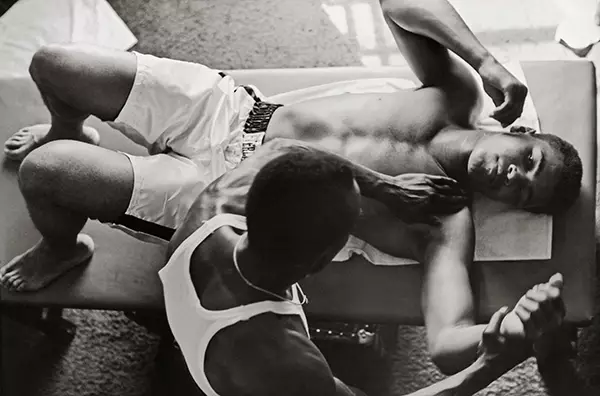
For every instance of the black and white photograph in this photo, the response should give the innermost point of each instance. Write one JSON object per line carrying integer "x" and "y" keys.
{"x": 299, "y": 198}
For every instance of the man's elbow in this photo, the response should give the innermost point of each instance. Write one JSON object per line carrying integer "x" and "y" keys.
{"x": 396, "y": 9}
{"x": 445, "y": 361}
{"x": 445, "y": 355}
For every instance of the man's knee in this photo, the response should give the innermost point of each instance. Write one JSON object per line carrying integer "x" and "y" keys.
{"x": 42, "y": 170}
{"x": 52, "y": 62}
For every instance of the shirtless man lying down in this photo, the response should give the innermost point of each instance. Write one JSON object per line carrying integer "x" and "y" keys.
{"x": 198, "y": 125}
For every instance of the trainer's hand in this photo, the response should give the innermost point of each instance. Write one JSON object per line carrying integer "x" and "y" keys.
{"x": 420, "y": 198}
{"x": 497, "y": 349}
{"x": 507, "y": 93}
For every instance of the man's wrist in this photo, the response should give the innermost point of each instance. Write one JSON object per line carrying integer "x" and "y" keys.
{"x": 388, "y": 191}
{"x": 483, "y": 62}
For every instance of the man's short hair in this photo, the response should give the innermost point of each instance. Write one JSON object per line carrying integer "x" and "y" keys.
{"x": 298, "y": 205}
{"x": 568, "y": 185}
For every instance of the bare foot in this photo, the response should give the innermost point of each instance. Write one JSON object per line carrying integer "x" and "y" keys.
{"x": 39, "y": 266}
{"x": 29, "y": 138}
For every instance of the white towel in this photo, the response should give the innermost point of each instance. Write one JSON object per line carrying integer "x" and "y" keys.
{"x": 29, "y": 24}
{"x": 502, "y": 233}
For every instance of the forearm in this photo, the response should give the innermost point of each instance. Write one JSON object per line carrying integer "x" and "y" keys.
{"x": 372, "y": 184}
{"x": 439, "y": 21}
{"x": 467, "y": 382}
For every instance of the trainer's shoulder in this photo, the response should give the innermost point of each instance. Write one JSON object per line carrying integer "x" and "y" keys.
{"x": 269, "y": 359}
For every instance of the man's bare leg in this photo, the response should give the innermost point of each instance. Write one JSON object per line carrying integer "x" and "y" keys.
{"x": 75, "y": 81}
{"x": 64, "y": 183}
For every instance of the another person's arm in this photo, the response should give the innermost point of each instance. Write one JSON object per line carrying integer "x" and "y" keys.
{"x": 426, "y": 29}
{"x": 305, "y": 371}
{"x": 412, "y": 197}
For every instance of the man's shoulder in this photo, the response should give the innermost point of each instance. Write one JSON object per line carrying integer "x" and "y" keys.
{"x": 269, "y": 358}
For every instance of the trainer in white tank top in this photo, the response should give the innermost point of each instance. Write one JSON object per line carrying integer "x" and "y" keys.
{"x": 193, "y": 326}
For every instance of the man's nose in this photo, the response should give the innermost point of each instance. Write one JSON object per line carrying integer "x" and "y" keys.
{"x": 514, "y": 174}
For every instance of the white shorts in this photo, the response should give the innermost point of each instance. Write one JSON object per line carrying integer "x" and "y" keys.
{"x": 191, "y": 120}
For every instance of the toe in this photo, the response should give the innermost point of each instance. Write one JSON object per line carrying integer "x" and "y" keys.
{"x": 21, "y": 135}
{"x": 9, "y": 283}
{"x": 11, "y": 143}
{"x": 19, "y": 285}
{"x": 17, "y": 153}
{"x": 9, "y": 273}
{"x": 12, "y": 278}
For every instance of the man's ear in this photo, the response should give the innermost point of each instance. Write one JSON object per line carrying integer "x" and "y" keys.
{"x": 522, "y": 129}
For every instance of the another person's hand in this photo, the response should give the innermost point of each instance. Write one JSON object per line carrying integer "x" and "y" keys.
{"x": 497, "y": 349}
{"x": 420, "y": 198}
{"x": 506, "y": 91}
{"x": 541, "y": 310}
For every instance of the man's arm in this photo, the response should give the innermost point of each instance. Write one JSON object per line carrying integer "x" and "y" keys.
{"x": 425, "y": 30}
{"x": 294, "y": 366}
{"x": 447, "y": 296}
{"x": 435, "y": 27}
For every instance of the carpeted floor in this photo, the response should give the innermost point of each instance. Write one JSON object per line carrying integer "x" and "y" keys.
{"x": 112, "y": 355}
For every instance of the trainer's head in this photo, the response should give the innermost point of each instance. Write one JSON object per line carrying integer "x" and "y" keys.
{"x": 537, "y": 172}
{"x": 300, "y": 211}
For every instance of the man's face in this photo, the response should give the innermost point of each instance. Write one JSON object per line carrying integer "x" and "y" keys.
{"x": 516, "y": 169}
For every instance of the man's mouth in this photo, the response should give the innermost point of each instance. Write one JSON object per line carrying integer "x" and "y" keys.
{"x": 496, "y": 176}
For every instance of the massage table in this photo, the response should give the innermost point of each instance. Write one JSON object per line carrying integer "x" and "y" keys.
{"x": 122, "y": 275}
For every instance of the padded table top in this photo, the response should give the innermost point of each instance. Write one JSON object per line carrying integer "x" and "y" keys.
{"x": 122, "y": 275}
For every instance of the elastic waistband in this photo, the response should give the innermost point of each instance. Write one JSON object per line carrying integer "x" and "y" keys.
{"x": 256, "y": 126}
{"x": 259, "y": 117}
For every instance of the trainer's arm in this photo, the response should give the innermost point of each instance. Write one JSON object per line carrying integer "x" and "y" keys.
{"x": 317, "y": 380}
{"x": 228, "y": 193}
{"x": 372, "y": 184}
{"x": 300, "y": 369}
{"x": 409, "y": 198}
{"x": 412, "y": 197}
